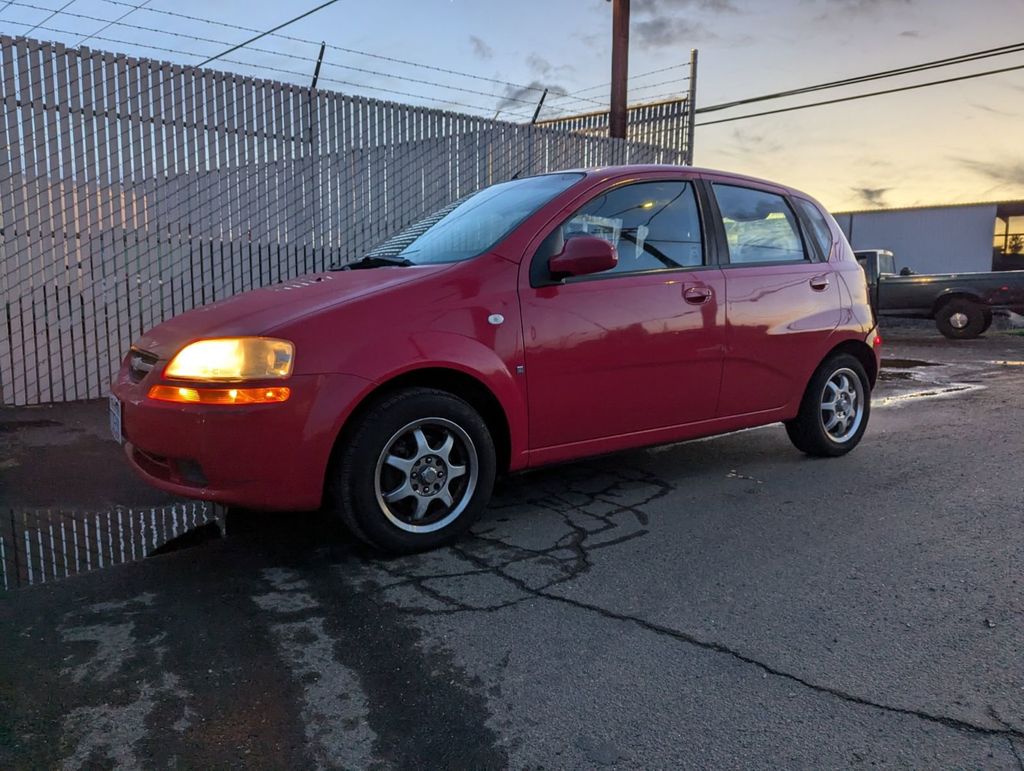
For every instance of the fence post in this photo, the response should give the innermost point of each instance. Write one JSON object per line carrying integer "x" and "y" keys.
{"x": 691, "y": 106}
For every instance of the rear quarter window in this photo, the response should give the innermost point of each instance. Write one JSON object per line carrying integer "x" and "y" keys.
{"x": 759, "y": 226}
{"x": 820, "y": 233}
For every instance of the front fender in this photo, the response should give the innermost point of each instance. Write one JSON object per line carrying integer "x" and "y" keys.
{"x": 382, "y": 361}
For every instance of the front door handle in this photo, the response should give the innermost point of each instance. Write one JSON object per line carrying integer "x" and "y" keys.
{"x": 819, "y": 283}
{"x": 697, "y": 295}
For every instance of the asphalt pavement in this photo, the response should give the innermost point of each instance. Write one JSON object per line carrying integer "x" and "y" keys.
{"x": 723, "y": 603}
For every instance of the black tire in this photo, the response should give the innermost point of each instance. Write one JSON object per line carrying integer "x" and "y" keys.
{"x": 808, "y": 430}
{"x": 988, "y": 322}
{"x": 961, "y": 320}
{"x": 360, "y": 479}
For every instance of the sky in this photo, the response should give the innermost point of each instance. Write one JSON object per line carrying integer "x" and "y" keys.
{"x": 954, "y": 143}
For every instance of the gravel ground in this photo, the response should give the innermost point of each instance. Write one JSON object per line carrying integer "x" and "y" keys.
{"x": 723, "y": 603}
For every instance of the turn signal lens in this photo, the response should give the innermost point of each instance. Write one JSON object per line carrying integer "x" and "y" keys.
{"x": 168, "y": 393}
{"x": 233, "y": 358}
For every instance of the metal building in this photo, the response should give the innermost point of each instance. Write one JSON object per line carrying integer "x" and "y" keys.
{"x": 957, "y": 238}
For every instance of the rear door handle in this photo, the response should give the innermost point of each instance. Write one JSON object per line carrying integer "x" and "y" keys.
{"x": 697, "y": 295}
{"x": 819, "y": 283}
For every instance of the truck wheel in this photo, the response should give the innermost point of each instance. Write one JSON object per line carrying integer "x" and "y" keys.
{"x": 988, "y": 322}
{"x": 960, "y": 320}
{"x": 414, "y": 473}
{"x": 835, "y": 408}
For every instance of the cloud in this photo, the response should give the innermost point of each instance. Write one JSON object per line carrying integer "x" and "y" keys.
{"x": 539, "y": 65}
{"x": 662, "y": 32}
{"x": 542, "y": 68}
{"x": 757, "y": 144}
{"x": 480, "y": 49}
{"x": 871, "y": 196}
{"x": 993, "y": 110}
{"x": 663, "y": 6}
{"x": 663, "y": 23}
{"x": 910, "y": 33}
{"x": 1010, "y": 173}
{"x": 846, "y": 8}
{"x": 515, "y": 97}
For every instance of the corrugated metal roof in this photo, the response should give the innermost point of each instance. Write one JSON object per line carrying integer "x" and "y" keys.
{"x": 1019, "y": 202}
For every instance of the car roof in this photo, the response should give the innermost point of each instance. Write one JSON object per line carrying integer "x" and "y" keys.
{"x": 615, "y": 172}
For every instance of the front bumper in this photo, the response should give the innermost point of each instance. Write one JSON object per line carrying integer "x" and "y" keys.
{"x": 262, "y": 456}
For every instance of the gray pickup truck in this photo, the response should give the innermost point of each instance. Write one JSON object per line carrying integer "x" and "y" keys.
{"x": 961, "y": 304}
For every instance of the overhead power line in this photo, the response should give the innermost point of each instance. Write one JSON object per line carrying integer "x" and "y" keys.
{"x": 573, "y": 94}
{"x": 285, "y": 55}
{"x": 890, "y": 73}
{"x": 52, "y": 14}
{"x": 303, "y": 74}
{"x": 143, "y": 6}
{"x": 631, "y": 77}
{"x": 863, "y": 96}
{"x": 271, "y": 31}
{"x": 293, "y": 38}
{"x": 110, "y": 24}
{"x": 909, "y": 69}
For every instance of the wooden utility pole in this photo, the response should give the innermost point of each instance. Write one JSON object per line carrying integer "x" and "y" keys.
{"x": 617, "y": 119}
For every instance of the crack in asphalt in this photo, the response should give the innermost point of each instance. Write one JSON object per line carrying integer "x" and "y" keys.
{"x": 994, "y": 714}
{"x": 573, "y": 544}
{"x": 1016, "y": 752}
{"x": 1017, "y": 755}
{"x": 575, "y": 548}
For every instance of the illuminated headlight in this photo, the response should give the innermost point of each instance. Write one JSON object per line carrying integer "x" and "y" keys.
{"x": 233, "y": 358}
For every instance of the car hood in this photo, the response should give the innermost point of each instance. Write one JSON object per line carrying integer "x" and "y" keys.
{"x": 260, "y": 310}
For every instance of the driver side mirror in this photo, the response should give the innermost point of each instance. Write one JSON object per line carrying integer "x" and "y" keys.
{"x": 583, "y": 255}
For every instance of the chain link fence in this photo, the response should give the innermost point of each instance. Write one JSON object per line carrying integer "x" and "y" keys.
{"x": 133, "y": 189}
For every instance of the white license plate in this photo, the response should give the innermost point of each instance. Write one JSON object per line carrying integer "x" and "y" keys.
{"x": 115, "y": 419}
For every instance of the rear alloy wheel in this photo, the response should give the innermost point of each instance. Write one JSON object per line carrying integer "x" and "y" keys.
{"x": 961, "y": 320}
{"x": 415, "y": 471}
{"x": 835, "y": 409}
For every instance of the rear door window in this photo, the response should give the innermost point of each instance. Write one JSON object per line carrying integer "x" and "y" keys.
{"x": 760, "y": 226}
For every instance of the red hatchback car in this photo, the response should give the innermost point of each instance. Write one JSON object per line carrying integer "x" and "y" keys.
{"x": 539, "y": 320}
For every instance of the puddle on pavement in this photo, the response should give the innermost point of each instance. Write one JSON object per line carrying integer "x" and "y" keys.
{"x": 10, "y": 426}
{"x": 907, "y": 363}
{"x": 888, "y": 375}
{"x": 931, "y": 393}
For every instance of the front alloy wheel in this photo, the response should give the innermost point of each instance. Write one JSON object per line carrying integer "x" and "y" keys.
{"x": 426, "y": 475}
{"x": 413, "y": 471}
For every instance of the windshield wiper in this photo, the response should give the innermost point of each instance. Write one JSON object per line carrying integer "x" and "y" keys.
{"x": 375, "y": 262}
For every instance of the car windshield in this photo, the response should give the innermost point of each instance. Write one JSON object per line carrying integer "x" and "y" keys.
{"x": 470, "y": 226}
